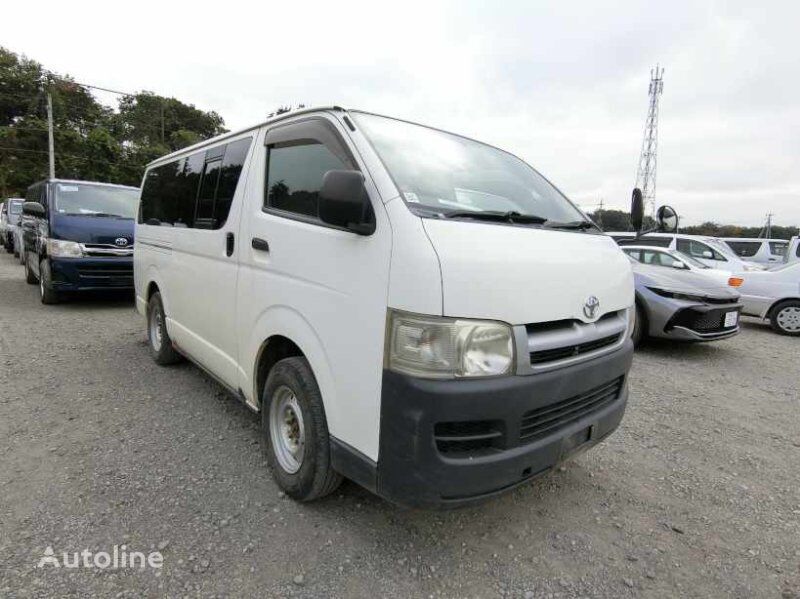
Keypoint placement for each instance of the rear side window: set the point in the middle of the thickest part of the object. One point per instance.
(745, 249)
(298, 156)
(776, 248)
(196, 191)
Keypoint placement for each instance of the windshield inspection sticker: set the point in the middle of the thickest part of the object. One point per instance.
(68, 188)
(411, 197)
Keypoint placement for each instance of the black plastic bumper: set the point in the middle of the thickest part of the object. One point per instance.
(83, 274)
(413, 470)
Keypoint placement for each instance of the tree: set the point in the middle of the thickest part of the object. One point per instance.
(92, 141)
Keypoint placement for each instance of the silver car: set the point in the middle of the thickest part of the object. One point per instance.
(774, 296)
(683, 305)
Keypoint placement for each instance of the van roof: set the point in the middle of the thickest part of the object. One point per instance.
(218, 138)
(84, 183)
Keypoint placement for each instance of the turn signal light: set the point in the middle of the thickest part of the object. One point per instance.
(735, 281)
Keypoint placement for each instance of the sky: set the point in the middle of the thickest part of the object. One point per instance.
(561, 84)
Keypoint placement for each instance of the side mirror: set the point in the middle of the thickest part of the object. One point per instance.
(678, 264)
(708, 255)
(33, 209)
(637, 209)
(667, 219)
(343, 202)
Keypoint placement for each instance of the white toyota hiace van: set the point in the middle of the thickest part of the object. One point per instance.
(408, 308)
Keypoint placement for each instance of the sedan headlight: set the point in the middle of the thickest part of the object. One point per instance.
(58, 248)
(437, 347)
(678, 295)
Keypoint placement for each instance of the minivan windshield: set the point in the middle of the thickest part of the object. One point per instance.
(86, 199)
(447, 175)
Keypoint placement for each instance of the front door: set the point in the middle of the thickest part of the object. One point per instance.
(323, 287)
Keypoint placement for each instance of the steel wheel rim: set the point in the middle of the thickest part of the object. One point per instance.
(789, 319)
(155, 330)
(286, 429)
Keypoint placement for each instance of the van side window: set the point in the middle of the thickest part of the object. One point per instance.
(204, 218)
(232, 163)
(776, 248)
(298, 156)
(196, 191)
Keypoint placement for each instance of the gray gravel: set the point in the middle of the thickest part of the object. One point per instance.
(696, 495)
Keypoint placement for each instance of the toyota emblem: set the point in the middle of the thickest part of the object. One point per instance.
(591, 307)
(121, 242)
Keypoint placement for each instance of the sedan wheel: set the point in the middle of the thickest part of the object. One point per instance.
(786, 318)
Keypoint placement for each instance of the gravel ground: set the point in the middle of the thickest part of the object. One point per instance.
(695, 495)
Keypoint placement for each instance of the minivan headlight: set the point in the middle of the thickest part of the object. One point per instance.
(437, 347)
(58, 248)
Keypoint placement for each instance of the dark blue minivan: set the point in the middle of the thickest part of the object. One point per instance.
(78, 236)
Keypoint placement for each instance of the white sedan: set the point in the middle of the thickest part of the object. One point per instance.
(657, 256)
(774, 295)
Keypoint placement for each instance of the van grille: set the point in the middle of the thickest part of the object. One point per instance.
(106, 275)
(560, 353)
(543, 421)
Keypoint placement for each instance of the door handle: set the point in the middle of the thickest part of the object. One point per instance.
(229, 244)
(259, 244)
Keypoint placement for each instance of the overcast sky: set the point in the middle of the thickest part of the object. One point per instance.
(561, 84)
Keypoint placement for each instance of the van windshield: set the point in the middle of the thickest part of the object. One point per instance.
(444, 174)
(15, 207)
(96, 200)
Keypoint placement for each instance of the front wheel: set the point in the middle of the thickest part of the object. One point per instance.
(47, 294)
(295, 432)
(785, 318)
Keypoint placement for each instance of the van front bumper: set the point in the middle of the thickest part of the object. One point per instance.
(85, 274)
(447, 443)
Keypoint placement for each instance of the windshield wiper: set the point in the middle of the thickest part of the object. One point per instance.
(577, 225)
(507, 217)
(103, 215)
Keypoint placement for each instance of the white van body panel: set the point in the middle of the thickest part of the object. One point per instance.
(415, 284)
(326, 290)
(513, 263)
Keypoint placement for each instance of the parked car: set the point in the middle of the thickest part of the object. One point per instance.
(774, 296)
(763, 251)
(658, 256)
(708, 250)
(682, 305)
(80, 236)
(9, 217)
(385, 294)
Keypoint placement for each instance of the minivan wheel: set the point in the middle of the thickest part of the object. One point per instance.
(159, 342)
(30, 278)
(47, 294)
(785, 318)
(639, 326)
(295, 432)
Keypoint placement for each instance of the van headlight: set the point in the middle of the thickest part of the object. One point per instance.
(437, 347)
(58, 248)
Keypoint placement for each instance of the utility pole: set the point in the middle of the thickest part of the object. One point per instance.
(600, 214)
(50, 145)
(646, 169)
(766, 230)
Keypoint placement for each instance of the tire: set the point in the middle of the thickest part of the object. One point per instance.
(639, 327)
(160, 344)
(785, 318)
(292, 410)
(30, 278)
(47, 294)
